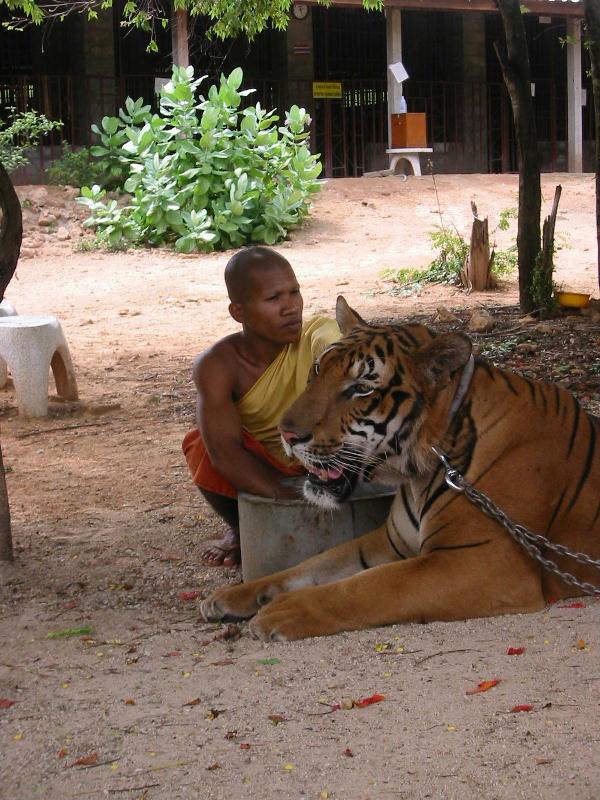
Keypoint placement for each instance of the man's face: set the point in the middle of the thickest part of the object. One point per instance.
(273, 310)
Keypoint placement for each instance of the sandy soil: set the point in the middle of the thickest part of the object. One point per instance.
(152, 702)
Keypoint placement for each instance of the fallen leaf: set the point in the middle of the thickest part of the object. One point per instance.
(129, 702)
(63, 753)
(6, 703)
(214, 766)
(484, 686)
(367, 701)
(269, 661)
(573, 605)
(515, 651)
(70, 605)
(516, 709)
(85, 761)
(70, 632)
(244, 746)
(276, 718)
(223, 663)
(230, 634)
(190, 595)
(193, 702)
(349, 753)
(581, 644)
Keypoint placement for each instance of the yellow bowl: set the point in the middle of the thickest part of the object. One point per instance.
(573, 299)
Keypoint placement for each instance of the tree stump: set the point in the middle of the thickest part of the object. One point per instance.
(476, 276)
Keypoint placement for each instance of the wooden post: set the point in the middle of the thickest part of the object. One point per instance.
(547, 259)
(476, 275)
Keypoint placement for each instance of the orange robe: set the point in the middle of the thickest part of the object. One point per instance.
(262, 407)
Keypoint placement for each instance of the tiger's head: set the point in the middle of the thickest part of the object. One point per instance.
(374, 403)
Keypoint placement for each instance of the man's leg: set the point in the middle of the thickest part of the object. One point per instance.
(225, 553)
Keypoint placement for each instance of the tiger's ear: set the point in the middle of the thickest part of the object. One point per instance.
(347, 318)
(443, 356)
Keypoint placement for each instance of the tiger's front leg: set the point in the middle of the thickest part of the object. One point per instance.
(244, 600)
(422, 589)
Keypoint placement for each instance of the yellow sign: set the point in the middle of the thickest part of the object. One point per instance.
(328, 89)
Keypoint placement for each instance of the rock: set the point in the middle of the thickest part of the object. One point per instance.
(26, 252)
(443, 315)
(481, 321)
(526, 347)
(62, 234)
(46, 219)
(545, 328)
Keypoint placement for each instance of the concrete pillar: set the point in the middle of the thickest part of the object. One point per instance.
(574, 97)
(179, 38)
(300, 65)
(474, 157)
(394, 54)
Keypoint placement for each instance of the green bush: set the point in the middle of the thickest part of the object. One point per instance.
(76, 168)
(204, 174)
(20, 134)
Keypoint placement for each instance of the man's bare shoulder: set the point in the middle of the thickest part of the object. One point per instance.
(218, 362)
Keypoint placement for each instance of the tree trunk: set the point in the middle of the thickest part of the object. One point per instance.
(11, 234)
(592, 41)
(514, 60)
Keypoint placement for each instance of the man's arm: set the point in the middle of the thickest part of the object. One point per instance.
(220, 426)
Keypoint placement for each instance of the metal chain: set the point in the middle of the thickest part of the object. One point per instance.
(526, 538)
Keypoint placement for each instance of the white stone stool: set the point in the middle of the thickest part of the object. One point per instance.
(6, 310)
(30, 344)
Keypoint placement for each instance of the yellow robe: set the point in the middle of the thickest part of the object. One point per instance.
(263, 405)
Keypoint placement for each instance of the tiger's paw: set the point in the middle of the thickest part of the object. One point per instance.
(289, 616)
(240, 602)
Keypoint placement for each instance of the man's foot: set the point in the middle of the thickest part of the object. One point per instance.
(225, 553)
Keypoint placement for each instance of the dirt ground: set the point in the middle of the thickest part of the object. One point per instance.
(148, 700)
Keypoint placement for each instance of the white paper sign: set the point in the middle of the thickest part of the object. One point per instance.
(398, 71)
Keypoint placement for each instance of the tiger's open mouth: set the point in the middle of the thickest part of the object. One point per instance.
(335, 481)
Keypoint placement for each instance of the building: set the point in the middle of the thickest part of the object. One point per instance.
(334, 61)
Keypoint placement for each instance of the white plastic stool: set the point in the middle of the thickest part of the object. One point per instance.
(30, 344)
(6, 310)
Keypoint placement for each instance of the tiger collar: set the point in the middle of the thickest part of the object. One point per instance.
(463, 386)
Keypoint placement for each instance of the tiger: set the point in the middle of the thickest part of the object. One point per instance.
(390, 403)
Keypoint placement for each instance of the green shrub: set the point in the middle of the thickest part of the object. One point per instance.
(20, 134)
(204, 174)
(76, 168)
(452, 254)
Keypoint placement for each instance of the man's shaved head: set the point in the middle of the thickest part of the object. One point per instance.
(239, 269)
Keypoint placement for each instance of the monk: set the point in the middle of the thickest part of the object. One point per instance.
(244, 383)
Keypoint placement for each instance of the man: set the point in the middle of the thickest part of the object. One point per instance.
(244, 383)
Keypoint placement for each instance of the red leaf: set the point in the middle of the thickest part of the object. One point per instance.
(63, 753)
(515, 651)
(484, 686)
(68, 606)
(244, 746)
(374, 698)
(193, 702)
(573, 605)
(190, 595)
(349, 753)
(5, 702)
(85, 761)
(276, 718)
(516, 709)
